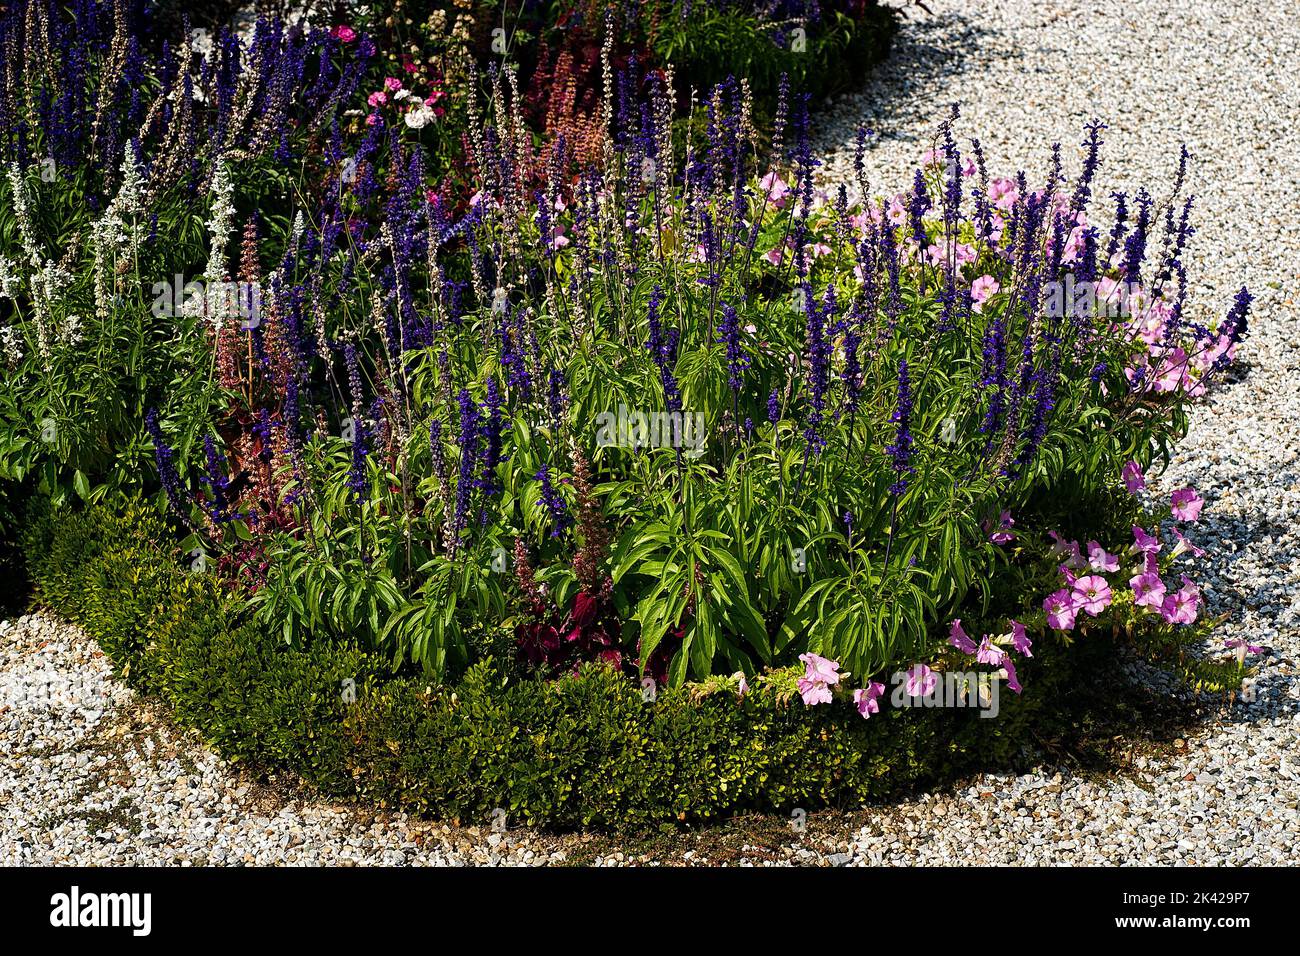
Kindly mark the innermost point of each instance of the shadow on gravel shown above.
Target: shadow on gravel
(1122, 719)
(927, 48)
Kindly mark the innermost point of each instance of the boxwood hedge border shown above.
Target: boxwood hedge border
(585, 751)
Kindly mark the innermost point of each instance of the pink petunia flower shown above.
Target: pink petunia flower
(344, 33)
(1092, 594)
(1003, 193)
(1009, 672)
(897, 211)
(1180, 607)
(1148, 590)
(1074, 558)
(819, 675)
(777, 189)
(981, 289)
(1242, 646)
(818, 668)
(1134, 480)
(957, 638)
(814, 692)
(990, 653)
(1060, 609)
(1020, 640)
(920, 681)
(1003, 533)
(1184, 545)
(1100, 560)
(1144, 542)
(866, 699)
(1187, 504)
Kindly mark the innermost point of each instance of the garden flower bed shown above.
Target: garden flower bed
(641, 479)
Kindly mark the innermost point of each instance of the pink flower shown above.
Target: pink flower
(1009, 671)
(392, 83)
(819, 675)
(1060, 546)
(814, 692)
(1184, 545)
(981, 289)
(1060, 609)
(997, 225)
(1003, 193)
(1144, 542)
(920, 681)
(1100, 560)
(1020, 640)
(1092, 594)
(743, 687)
(1134, 480)
(1003, 534)
(958, 639)
(1180, 607)
(866, 699)
(776, 187)
(1187, 504)
(897, 211)
(1233, 643)
(990, 653)
(1148, 590)
(819, 668)
(774, 256)
(344, 33)
(377, 98)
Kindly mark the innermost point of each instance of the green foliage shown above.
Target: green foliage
(710, 43)
(584, 750)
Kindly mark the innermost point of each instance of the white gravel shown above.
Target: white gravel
(89, 775)
(1222, 78)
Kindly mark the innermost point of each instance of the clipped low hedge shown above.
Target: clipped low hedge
(585, 750)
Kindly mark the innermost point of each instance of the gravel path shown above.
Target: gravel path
(1220, 77)
(90, 775)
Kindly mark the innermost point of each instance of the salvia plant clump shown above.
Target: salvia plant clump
(664, 398)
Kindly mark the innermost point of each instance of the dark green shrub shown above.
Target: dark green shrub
(583, 750)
